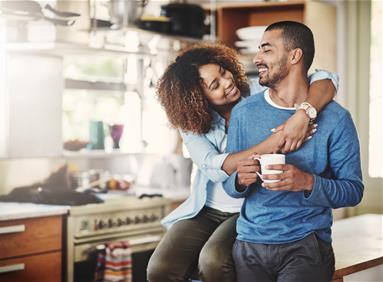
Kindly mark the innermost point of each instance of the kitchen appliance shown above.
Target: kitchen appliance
(32, 10)
(122, 218)
(185, 19)
(126, 12)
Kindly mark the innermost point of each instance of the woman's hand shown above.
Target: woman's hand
(295, 131)
(247, 171)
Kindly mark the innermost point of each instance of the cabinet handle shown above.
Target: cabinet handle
(12, 229)
(10, 268)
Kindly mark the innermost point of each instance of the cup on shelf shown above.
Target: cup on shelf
(96, 135)
(116, 131)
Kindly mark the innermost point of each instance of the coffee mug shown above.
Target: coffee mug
(270, 159)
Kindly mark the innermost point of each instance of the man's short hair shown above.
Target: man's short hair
(297, 35)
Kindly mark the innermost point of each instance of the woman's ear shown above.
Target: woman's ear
(296, 55)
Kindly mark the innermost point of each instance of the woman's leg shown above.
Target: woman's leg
(176, 256)
(216, 261)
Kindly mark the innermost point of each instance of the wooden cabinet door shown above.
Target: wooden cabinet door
(35, 268)
(30, 236)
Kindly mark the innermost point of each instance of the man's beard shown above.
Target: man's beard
(271, 81)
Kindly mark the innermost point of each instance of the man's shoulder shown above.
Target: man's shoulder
(249, 102)
(335, 111)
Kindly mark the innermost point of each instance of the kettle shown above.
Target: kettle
(171, 172)
(126, 12)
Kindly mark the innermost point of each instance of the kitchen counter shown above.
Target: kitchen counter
(10, 211)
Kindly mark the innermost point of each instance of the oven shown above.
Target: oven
(90, 227)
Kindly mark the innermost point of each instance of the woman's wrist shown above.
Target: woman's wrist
(302, 114)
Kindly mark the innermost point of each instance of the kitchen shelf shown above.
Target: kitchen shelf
(58, 48)
(98, 85)
(319, 17)
(95, 154)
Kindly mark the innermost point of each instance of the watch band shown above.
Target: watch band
(309, 110)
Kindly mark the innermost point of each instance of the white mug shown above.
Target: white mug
(270, 159)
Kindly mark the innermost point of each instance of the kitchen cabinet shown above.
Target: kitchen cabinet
(31, 249)
(31, 106)
(320, 17)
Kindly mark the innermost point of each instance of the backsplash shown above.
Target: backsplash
(21, 172)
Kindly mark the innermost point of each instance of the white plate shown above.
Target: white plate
(251, 44)
(251, 32)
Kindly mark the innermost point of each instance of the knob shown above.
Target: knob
(110, 223)
(128, 221)
(101, 224)
(145, 219)
(137, 219)
(153, 218)
(120, 222)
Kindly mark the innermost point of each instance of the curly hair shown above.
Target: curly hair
(180, 91)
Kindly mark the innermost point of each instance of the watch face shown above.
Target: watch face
(312, 113)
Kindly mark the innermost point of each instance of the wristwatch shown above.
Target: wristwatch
(311, 112)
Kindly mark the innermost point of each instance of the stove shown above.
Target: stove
(90, 227)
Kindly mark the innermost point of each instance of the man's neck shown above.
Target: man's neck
(292, 90)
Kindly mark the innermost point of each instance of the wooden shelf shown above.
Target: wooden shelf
(320, 17)
(96, 154)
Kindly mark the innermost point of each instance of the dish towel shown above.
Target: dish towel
(115, 263)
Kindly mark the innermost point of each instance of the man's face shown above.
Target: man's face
(271, 60)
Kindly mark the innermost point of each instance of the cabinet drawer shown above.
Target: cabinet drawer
(30, 236)
(35, 268)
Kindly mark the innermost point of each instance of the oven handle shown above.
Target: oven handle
(137, 241)
(82, 251)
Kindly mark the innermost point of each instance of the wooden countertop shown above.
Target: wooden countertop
(10, 211)
(357, 243)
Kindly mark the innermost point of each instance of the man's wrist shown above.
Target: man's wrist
(309, 182)
(239, 187)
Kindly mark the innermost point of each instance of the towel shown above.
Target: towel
(114, 264)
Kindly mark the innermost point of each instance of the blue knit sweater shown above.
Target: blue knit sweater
(332, 155)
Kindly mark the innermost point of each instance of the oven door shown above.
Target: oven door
(86, 254)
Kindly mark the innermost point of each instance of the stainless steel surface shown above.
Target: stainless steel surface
(135, 220)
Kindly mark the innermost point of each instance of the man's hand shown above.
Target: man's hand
(291, 179)
(246, 171)
(296, 130)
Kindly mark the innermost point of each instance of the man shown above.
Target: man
(284, 230)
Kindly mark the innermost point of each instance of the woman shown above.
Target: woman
(198, 92)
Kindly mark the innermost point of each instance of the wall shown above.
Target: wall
(357, 29)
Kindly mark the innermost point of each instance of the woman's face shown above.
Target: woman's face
(218, 85)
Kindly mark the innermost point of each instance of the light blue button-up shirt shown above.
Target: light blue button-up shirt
(206, 153)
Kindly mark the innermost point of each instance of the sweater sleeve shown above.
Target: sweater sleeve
(322, 74)
(234, 145)
(346, 186)
(205, 155)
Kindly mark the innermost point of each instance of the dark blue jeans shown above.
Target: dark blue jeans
(307, 260)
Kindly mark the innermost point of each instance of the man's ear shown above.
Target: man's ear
(296, 55)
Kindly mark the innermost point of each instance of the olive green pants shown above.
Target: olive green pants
(205, 240)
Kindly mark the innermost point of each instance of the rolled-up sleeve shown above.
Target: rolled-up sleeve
(206, 156)
(323, 74)
(234, 145)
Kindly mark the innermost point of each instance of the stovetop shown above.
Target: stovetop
(117, 214)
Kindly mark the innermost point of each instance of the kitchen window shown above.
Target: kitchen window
(116, 90)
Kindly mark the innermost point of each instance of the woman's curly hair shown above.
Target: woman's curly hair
(180, 89)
